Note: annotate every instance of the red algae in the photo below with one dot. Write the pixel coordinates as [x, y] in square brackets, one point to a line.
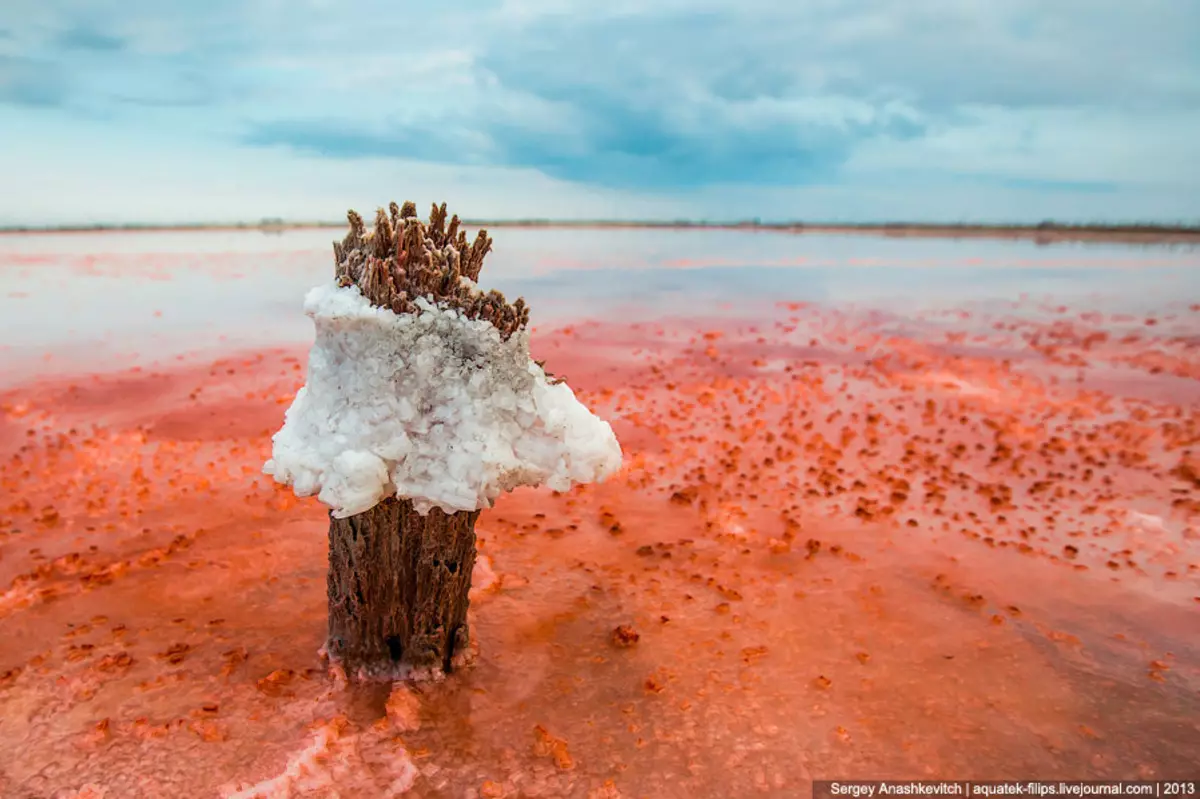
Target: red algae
[844, 544]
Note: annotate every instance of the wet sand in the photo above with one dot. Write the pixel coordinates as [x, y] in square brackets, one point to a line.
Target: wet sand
[852, 541]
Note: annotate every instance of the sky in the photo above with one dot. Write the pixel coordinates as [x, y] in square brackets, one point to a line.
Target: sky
[825, 110]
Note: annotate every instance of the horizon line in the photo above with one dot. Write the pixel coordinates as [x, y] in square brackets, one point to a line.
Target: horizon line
[279, 222]
[1043, 232]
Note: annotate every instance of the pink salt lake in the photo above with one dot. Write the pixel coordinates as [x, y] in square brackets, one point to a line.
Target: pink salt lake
[890, 508]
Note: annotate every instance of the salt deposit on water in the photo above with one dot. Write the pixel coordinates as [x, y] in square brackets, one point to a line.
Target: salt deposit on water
[432, 407]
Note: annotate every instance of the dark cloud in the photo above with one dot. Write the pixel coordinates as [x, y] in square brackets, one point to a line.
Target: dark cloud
[31, 82]
[617, 147]
[83, 37]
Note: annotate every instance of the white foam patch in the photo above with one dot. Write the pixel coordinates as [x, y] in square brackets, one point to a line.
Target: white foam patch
[432, 407]
[338, 763]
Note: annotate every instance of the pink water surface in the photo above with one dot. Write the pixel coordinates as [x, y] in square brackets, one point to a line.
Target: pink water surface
[856, 535]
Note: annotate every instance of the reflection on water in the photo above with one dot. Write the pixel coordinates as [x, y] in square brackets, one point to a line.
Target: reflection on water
[890, 509]
[134, 297]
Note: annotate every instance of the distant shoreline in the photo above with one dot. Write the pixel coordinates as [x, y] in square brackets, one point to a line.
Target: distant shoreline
[1045, 232]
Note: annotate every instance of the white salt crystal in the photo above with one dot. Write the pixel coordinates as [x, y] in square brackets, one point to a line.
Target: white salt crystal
[431, 407]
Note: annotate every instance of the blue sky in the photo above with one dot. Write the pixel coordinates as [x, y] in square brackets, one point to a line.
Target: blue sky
[947, 110]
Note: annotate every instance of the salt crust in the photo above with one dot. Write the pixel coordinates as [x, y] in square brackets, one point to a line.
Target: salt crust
[431, 407]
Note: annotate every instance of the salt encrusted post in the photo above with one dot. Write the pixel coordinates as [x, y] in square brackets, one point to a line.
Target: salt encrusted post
[422, 405]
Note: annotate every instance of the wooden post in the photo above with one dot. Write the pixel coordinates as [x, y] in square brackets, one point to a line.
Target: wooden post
[398, 582]
[398, 585]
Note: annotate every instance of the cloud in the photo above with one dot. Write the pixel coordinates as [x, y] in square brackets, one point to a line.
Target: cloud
[941, 54]
[83, 37]
[665, 99]
[337, 139]
[603, 102]
[763, 94]
[1039, 184]
[64, 61]
[606, 143]
[30, 82]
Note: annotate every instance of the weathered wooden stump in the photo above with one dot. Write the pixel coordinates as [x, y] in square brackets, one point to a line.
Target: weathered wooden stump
[398, 585]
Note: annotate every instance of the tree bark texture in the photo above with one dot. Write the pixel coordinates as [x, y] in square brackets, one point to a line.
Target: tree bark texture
[398, 585]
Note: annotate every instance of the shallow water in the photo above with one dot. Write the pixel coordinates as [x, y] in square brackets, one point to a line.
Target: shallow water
[890, 508]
